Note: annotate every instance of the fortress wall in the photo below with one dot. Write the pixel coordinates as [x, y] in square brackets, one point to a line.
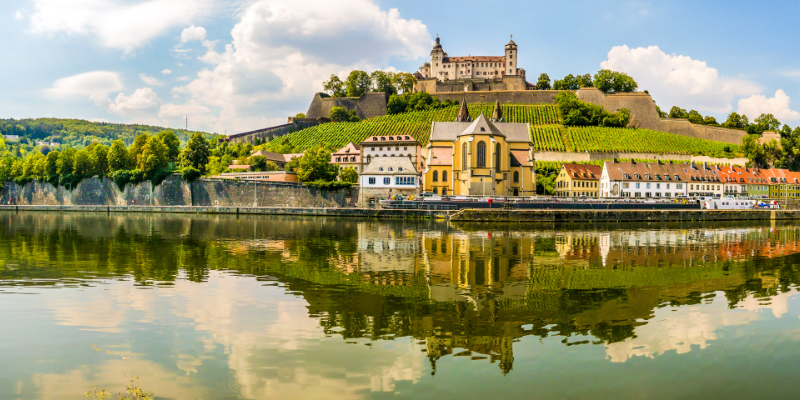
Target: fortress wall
[270, 133]
[561, 156]
[644, 115]
[369, 105]
[506, 96]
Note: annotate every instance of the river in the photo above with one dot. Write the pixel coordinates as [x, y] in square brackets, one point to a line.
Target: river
[227, 307]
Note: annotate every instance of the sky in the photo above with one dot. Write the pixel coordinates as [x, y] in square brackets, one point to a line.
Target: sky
[234, 66]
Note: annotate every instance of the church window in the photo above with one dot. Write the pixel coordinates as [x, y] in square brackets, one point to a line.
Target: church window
[444, 176]
[481, 161]
[464, 156]
[436, 176]
[516, 176]
[497, 156]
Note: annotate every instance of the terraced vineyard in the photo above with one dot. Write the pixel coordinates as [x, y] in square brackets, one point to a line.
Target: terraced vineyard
[416, 124]
[547, 138]
[596, 139]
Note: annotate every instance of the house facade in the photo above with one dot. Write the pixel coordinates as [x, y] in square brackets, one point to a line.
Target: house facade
[348, 156]
[578, 180]
[392, 146]
[384, 177]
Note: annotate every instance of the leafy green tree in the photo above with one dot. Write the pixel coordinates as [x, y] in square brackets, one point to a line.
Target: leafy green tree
[52, 165]
[404, 82]
[357, 83]
[99, 158]
[543, 83]
[396, 105]
[677, 112]
[118, 157]
[339, 114]
[154, 156]
[695, 117]
[300, 116]
[575, 112]
[170, 139]
[568, 83]
[292, 165]
[257, 163]
[196, 153]
[614, 82]
[66, 162]
[349, 175]
[335, 87]
[382, 82]
[271, 166]
[709, 120]
[584, 80]
[137, 147]
[767, 122]
[315, 165]
[83, 163]
[736, 121]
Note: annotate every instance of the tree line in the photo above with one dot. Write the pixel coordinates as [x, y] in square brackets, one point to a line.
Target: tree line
[359, 83]
[605, 80]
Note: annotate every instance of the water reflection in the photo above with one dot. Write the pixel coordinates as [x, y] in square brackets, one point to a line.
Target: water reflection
[218, 306]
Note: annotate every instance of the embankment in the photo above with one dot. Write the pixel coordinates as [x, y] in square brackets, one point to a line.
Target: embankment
[622, 216]
[174, 191]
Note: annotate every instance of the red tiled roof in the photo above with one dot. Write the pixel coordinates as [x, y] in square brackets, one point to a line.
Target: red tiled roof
[584, 171]
[477, 58]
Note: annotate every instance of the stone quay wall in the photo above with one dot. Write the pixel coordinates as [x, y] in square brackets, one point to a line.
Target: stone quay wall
[267, 134]
[174, 191]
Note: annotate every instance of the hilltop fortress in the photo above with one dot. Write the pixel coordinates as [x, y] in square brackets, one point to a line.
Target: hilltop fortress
[489, 79]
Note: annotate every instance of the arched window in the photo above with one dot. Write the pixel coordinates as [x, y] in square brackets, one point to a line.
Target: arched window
[481, 161]
[444, 176]
[444, 191]
[516, 176]
[497, 156]
[464, 155]
[436, 176]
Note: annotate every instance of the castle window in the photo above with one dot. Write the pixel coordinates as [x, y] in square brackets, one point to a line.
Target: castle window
[444, 176]
[436, 176]
[481, 162]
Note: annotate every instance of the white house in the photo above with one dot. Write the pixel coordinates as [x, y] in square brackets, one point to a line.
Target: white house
[384, 177]
[643, 180]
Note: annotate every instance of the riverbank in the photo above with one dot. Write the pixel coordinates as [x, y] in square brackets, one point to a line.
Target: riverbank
[566, 216]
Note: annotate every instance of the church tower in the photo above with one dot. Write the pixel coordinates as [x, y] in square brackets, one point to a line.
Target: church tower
[511, 58]
[437, 59]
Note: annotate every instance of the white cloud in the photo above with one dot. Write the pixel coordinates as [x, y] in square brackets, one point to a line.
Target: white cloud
[143, 101]
[778, 106]
[19, 16]
[679, 80]
[150, 81]
[92, 84]
[117, 24]
[791, 73]
[282, 51]
[193, 33]
[166, 72]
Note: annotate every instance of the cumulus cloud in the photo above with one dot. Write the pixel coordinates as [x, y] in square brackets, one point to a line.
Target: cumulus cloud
[150, 81]
[282, 50]
[166, 72]
[19, 16]
[679, 80]
[778, 106]
[193, 33]
[92, 84]
[117, 24]
[142, 101]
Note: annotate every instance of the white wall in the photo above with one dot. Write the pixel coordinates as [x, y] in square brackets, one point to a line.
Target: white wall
[379, 179]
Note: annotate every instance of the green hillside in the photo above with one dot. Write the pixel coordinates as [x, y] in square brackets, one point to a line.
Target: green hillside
[78, 132]
[546, 133]
[415, 123]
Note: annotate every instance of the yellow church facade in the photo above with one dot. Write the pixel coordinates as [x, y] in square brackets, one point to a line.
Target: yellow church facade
[480, 158]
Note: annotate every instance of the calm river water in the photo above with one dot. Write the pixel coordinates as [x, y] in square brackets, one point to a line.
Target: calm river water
[220, 307]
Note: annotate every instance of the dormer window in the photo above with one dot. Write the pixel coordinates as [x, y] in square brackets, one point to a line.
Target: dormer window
[374, 138]
[390, 168]
[400, 169]
[380, 168]
[483, 129]
[647, 176]
[391, 137]
[383, 138]
[658, 176]
[638, 176]
[677, 178]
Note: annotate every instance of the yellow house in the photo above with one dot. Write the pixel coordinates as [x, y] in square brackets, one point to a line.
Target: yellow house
[578, 180]
[480, 158]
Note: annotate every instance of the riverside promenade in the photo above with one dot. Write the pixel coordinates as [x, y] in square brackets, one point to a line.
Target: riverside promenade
[466, 215]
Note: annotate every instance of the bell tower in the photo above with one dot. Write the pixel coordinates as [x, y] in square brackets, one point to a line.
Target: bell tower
[511, 58]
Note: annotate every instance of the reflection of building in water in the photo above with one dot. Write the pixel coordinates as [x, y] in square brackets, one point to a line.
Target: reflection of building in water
[387, 256]
[497, 348]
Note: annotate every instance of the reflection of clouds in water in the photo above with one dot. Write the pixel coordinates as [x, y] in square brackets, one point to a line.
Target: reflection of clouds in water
[97, 309]
[682, 327]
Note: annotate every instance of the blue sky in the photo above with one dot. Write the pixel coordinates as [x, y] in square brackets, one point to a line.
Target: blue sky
[241, 65]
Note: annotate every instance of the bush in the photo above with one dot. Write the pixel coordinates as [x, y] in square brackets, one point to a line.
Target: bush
[190, 174]
[575, 112]
[326, 185]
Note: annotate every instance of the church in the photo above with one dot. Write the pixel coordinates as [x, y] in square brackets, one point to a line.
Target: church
[484, 157]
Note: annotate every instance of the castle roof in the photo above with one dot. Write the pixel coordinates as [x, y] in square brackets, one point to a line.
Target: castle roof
[438, 45]
[476, 58]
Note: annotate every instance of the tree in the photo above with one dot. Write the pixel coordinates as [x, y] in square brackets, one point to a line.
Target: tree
[98, 156]
[736, 121]
[767, 122]
[339, 114]
[315, 165]
[584, 80]
[154, 156]
[579, 113]
[258, 163]
[357, 83]
[568, 83]
[52, 165]
[271, 166]
[543, 83]
[677, 112]
[382, 82]
[196, 153]
[66, 162]
[137, 147]
[396, 104]
[170, 139]
[300, 116]
[118, 157]
[334, 86]
[404, 82]
[614, 82]
[349, 175]
[709, 120]
[695, 117]
[83, 163]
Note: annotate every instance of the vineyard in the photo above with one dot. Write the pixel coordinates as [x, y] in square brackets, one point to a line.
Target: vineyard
[547, 138]
[596, 139]
[416, 124]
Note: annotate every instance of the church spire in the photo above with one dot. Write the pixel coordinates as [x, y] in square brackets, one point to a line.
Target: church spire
[463, 113]
[497, 115]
